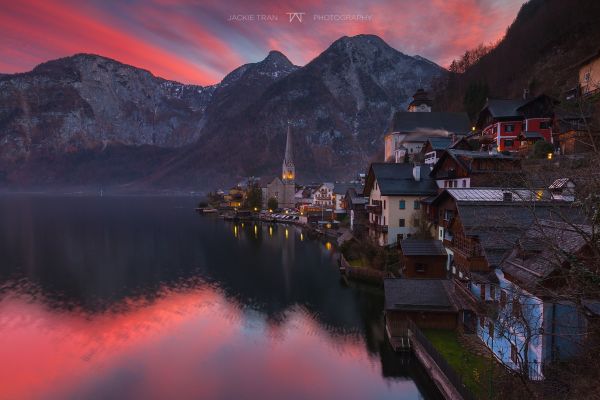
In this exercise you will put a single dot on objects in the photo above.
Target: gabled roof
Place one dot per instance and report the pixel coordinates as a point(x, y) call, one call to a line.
point(510, 108)
point(462, 157)
point(341, 188)
point(498, 225)
point(560, 183)
point(396, 179)
point(549, 243)
point(417, 294)
point(414, 247)
point(406, 122)
point(493, 194)
point(440, 143)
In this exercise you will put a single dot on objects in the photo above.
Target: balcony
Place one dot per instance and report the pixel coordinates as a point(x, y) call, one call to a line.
point(374, 209)
point(378, 228)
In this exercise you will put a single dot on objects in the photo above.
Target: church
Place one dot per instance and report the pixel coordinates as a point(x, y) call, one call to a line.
point(283, 189)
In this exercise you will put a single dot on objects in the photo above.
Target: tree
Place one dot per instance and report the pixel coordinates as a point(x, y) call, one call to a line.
point(272, 204)
point(253, 199)
point(541, 148)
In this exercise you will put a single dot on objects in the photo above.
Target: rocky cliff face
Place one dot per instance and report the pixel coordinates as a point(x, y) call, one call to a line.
point(87, 119)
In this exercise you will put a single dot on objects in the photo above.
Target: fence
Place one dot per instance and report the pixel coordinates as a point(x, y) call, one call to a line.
point(442, 364)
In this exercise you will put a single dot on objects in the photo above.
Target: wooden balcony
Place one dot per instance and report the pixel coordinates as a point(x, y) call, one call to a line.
point(374, 209)
point(378, 228)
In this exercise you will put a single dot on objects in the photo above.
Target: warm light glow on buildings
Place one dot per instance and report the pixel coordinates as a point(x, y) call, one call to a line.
point(328, 246)
point(549, 156)
point(287, 234)
point(270, 231)
point(301, 237)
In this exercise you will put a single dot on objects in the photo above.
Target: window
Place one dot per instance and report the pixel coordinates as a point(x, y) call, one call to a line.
point(384, 204)
point(503, 298)
point(445, 184)
point(509, 128)
point(420, 268)
point(508, 142)
point(545, 125)
point(482, 291)
point(401, 222)
point(384, 220)
point(402, 205)
point(464, 183)
point(417, 205)
point(492, 293)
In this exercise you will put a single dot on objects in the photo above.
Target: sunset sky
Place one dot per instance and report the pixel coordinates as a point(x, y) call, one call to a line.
point(194, 41)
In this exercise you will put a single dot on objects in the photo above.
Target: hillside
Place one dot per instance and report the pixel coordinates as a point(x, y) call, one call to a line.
point(539, 52)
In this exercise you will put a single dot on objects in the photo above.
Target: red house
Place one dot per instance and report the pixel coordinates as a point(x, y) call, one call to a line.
point(515, 122)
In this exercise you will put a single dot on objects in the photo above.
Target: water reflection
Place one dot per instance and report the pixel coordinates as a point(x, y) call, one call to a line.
point(140, 298)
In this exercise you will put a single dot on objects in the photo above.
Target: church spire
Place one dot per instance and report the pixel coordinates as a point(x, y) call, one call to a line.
point(288, 170)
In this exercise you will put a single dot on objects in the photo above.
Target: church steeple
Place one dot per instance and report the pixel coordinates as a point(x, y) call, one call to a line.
point(288, 170)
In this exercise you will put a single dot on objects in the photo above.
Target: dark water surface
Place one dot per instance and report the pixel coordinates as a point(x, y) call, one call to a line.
point(113, 298)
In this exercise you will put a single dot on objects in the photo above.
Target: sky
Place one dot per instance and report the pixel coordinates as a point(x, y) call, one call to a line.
point(200, 41)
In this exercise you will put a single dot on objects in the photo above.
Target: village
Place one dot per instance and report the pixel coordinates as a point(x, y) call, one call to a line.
point(476, 230)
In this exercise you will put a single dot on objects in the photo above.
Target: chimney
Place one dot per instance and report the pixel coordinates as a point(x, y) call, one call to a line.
point(507, 196)
point(417, 172)
point(525, 94)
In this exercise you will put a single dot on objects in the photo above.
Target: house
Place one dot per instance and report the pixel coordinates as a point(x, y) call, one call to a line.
point(512, 122)
point(234, 197)
point(409, 131)
point(530, 326)
point(589, 74)
point(339, 192)
point(435, 146)
point(479, 225)
point(355, 204)
point(395, 192)
point(563, 189)
point(429, 303)
point(323, 196)
point(465, 168)
point(422, 259)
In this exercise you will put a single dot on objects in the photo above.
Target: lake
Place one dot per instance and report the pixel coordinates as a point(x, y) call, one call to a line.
point(128, 297)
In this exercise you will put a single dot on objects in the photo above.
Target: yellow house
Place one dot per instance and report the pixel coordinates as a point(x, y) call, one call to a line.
point(589, 74)
point(395, 191)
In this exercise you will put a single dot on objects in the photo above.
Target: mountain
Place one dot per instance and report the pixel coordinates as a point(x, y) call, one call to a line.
point(539, 52)
point(339, 106)
point(88, 120)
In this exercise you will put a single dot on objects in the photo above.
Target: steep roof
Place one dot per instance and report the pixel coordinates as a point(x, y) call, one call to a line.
point(417, 294)
point(453, 122)
point(440, 143)
point(549, 243)
point(395, 179)
point(498, 225)
point(414, 247)
point(341, 188)
point(462, 157)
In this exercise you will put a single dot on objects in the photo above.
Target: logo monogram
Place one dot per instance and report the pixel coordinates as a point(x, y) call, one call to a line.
point(296, 15)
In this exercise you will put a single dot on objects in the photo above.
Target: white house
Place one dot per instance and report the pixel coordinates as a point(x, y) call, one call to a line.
point(395, 192)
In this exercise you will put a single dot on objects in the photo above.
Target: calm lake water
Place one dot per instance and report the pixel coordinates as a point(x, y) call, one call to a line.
point(141, 298)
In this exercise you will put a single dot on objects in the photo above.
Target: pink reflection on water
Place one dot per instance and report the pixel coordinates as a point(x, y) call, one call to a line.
point(194, 343)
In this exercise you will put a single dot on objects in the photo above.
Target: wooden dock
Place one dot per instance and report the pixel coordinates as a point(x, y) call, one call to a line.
point(399, 343)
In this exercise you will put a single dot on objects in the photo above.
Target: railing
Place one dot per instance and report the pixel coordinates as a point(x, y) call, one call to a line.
point(378, 228)
point(451, 375)
point(374, 209)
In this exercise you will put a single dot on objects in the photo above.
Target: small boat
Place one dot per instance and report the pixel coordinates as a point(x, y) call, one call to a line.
point(206, 210)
